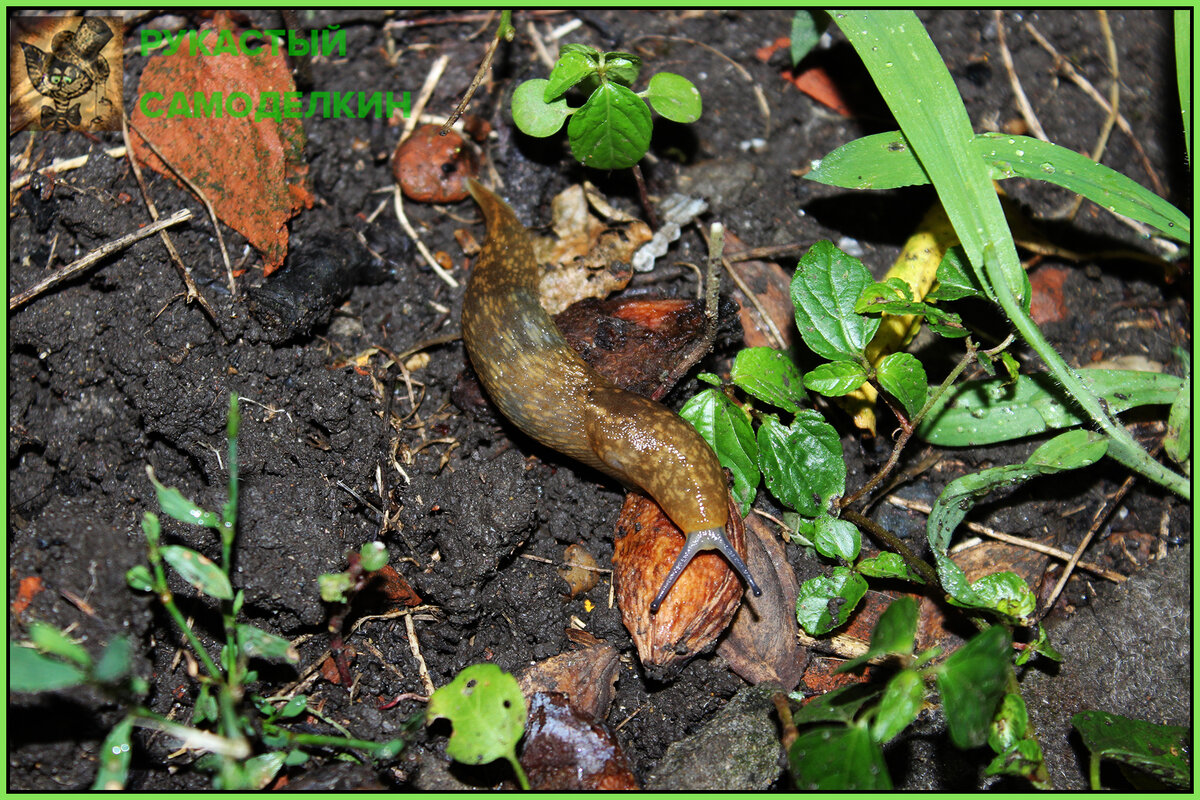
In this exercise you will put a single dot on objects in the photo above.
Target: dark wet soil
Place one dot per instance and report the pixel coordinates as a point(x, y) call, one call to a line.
point(112, 371)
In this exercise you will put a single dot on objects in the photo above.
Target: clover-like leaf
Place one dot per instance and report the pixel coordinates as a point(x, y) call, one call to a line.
point(532, 114)
point(803, 464)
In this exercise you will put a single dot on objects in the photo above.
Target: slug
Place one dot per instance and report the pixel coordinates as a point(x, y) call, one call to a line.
point(548, 391)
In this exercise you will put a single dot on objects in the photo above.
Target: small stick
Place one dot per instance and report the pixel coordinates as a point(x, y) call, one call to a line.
point(212, 213)
point(415, 646)
point(398, 202)
point(1023, 105)
point(431, 82)
point(506, 32)
point(61, 165)
point(1045, 549)
point(78, 266)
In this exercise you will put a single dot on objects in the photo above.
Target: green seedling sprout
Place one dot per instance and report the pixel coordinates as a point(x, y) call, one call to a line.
point(612, 129)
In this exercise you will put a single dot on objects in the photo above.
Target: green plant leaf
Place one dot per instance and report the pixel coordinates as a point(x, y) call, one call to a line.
point(894, 296)
point(52, 641)
point(879, 161)
point(30, 671)
point(1040, 646)
point(675, 97)
point(825, 602)
point(532, 114)
point(726, 428)
point(139, 579)
point(1026, 157)
point(836, 538)
point(295, 758)
point(1160, 750)
point(839, 759)
point(611, 130)
point(836, 378)
point(572, 67)
point(198, 570)
point(152, 529)
point(1183, 72)
point(294, 707)
point(807, 28)
point(902, 375)
point(900, 705)
point(175, 505)
point(333, 586)
point(374, 556)
point(995, 410)
point(895, 632)
point(260, 770)
point(1007, 593)
point(1018, 752)
point(769, 375)
point(825, 288)
point(839, 705)
point(257, 643)
point(1178, 442)
point(971, 682)
point(803, 465)
point(116, 753)
point(116, 662)
point(487, 710)
point(955, 279)
point(206, 706)
point(887, 565)
point(621, 67)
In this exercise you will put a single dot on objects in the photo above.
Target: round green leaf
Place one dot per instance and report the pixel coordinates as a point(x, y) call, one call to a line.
point(675, 97)
point(902, 375)
point(836, 378)
point(198, 570)
point(532, 114)
point(487, 710)
point(139, 579)
point(836, 538)
point(374, 556)
point(887, 565)
point(770, 375)
point(971, 682)
point(839, 758)
point(825, 602)
point(333, 586)
point(611, 130)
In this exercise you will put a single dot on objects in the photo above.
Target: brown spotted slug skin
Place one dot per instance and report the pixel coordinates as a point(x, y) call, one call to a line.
point(553, 395)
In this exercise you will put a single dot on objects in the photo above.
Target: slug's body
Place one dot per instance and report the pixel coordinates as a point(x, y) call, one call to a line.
point(553, 395)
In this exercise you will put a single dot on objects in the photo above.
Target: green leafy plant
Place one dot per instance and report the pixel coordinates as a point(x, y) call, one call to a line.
point(53, 661)
point(487, 710)
point(1160, 751)
point(612, 129)
point(840, 735)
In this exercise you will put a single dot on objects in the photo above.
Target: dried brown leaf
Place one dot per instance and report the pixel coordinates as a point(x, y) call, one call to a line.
point(566, 751)
point(585, 677)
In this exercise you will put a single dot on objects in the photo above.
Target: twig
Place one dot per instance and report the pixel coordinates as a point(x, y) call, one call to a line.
point(919, 565)
point(539, 46)
point(1045, 549)
point(552, 562)
point(1069, 71)
point(1114, 100)
point(415, 646)
point(1098, 520)
point(78, 266)
point(772, 329)
point(431, 82)
point(505, 32)
point(398, 202)
point(59, 166)
point(212, 213)
point(1023, 105)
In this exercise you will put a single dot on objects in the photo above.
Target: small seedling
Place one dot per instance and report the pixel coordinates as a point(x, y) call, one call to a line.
point(612, 129)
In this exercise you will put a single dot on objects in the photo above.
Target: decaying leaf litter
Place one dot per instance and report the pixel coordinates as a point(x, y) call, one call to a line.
point(312, 471)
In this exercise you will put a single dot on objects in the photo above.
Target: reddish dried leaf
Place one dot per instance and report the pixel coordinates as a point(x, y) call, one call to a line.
point(432, 168)
point(394, 587)
point(816, 83)
point(1048, 304)
point(252, 170)
point(566, 751)
point(585, 677)
point(761, 646)
point(699, 606)
point(28, 588)
point(764, 54)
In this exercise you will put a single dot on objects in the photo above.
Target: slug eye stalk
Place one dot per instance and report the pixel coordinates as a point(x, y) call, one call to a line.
point(698, 541)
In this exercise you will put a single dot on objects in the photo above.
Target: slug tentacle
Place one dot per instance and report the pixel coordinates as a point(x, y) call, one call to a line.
point(698, 542)
point(553, 395)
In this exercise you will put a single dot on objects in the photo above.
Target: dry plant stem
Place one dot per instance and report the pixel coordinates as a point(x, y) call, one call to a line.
point(787, 727)
point(1098, 520)
point(415, 646)
point(212, 213)
point(431, 82)
point(1023, 105)
point(1000, 536)
point(1114, 99)
point(772, 329)
point(881, 533)
point(97, 255)
point(398, 202)
point(1065, 67)
point(59, 166)
point(505, 32)
point(770, 252)
point(644, 197)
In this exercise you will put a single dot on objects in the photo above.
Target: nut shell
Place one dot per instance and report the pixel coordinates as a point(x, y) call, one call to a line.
point(698, 608)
